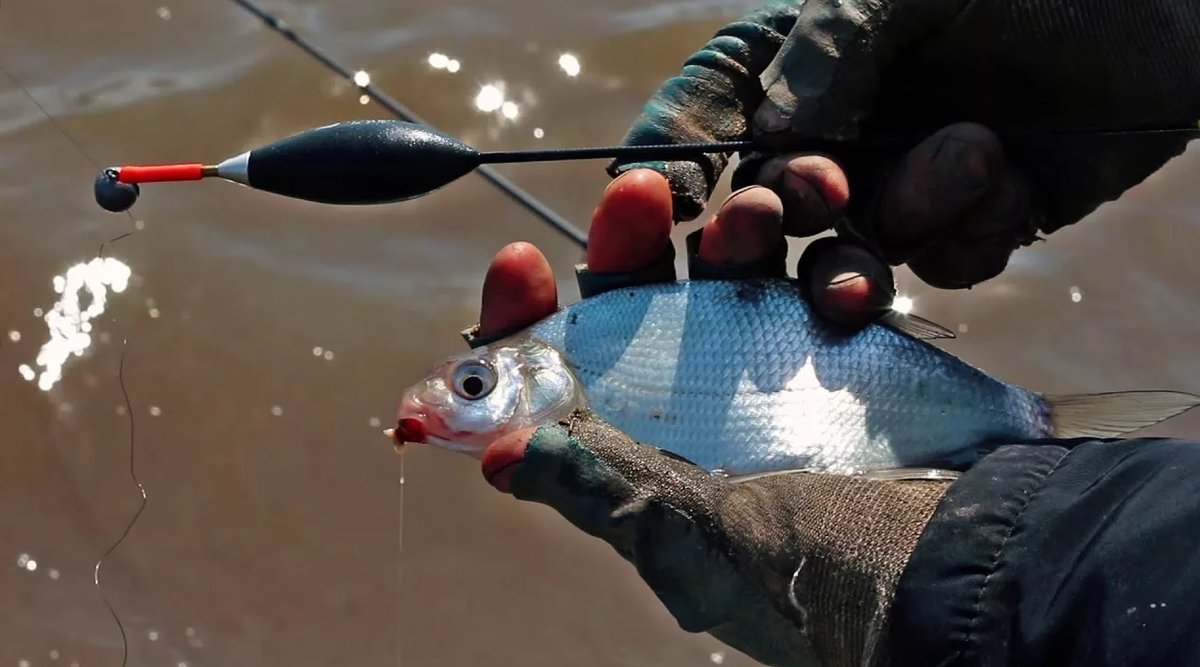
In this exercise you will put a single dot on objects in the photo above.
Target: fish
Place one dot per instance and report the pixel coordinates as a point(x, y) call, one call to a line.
point(740, 377)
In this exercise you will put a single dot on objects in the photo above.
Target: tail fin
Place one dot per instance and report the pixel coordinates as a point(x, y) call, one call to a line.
point(1114, 414)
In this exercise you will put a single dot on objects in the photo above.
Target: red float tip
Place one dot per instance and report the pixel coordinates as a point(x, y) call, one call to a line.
point(160, 173)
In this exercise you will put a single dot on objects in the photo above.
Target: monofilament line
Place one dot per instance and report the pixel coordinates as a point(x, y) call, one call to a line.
point(132, 520)
point(400, 569)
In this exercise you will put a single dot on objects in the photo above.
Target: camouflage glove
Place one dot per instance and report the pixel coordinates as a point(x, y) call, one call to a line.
point(791, 569)
point(838, 69)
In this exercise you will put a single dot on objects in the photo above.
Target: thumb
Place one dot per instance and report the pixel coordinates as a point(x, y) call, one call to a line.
point(826, 74)
point(583, 466)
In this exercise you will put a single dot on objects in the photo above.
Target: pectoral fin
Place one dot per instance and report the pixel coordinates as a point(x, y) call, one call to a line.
point(916, 326)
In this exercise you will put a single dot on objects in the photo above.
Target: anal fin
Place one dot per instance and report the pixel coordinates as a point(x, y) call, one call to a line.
point(904, 474)
point(1114, 414)
point(884, 475)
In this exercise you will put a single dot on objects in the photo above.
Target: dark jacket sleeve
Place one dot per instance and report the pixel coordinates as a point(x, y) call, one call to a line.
point(1060, 556)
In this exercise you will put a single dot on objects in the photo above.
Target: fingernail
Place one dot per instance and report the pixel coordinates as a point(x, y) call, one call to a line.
point(843, 278)
point(619, 178)
point(737, 193)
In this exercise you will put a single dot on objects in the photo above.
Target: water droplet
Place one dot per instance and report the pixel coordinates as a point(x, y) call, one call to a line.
point(277, 410)
point(1076, 294)
point(152, 635)
point(317, 351)
point(155, 411)
point(453, 66)
point(38, 312)
point(328, 355)
point(121, 410)
point(26, 372)
point(569, 64)
point(362, 79)
point(364, 99)
point(164, 13)
point(22, 663)
point(902, 304)
point(153, 313)
point(139, 225)
point(717, 657)
point(14, 336)
point(963, 328)
point(22, 559)
point(510, 110)
point(190, 631)
point(374, 422)
point(54, 654)
point(31, 565)
point(53, 574)
point(538, 133)
point(438, 60)
point(182, 663)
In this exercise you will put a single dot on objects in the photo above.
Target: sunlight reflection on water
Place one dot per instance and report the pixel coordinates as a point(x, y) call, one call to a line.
point(69, 321)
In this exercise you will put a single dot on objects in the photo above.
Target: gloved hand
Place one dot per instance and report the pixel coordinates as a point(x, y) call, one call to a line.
point(956, 205)
point(794, 569)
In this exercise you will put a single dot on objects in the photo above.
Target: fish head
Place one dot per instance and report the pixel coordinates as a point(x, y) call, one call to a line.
point(469, 400)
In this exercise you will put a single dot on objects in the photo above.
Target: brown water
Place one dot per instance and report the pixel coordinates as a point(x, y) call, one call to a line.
point(271, 536)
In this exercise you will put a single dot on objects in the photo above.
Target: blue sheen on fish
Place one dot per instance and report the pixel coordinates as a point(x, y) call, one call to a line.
point(741, 377)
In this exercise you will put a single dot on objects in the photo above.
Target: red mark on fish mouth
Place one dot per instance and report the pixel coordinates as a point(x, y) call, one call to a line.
point(411, 429)
point(502, 456)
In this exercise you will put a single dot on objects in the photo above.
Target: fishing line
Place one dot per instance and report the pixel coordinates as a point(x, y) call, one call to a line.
point(400, 567)
point(404, 113)
point(128, 527)
point(120, 378)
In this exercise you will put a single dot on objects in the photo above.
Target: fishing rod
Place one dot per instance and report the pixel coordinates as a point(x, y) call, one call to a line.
point(385, 161)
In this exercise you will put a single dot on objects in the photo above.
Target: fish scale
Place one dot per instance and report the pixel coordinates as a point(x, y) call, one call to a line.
point(739, 377)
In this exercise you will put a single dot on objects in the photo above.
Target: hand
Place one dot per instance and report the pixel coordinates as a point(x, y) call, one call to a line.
point(796, 569)
point(631, 230)
point(956, 205)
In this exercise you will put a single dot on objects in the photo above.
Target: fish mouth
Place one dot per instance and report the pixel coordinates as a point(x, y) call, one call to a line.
point(410, 430)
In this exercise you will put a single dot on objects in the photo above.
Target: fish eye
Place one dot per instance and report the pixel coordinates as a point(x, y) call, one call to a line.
point(474, 379)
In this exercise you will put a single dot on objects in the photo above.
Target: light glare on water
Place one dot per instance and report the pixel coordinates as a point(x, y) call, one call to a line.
point(69, 321)
point(570, 64)
point(489, 98)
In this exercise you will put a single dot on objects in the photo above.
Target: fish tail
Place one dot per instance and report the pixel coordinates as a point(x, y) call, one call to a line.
point(1113, 414)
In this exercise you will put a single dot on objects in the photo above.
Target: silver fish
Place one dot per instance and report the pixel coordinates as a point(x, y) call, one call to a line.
point(741, 377)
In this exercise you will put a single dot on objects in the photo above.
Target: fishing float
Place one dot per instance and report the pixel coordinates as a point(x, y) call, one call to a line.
point(363, 163)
